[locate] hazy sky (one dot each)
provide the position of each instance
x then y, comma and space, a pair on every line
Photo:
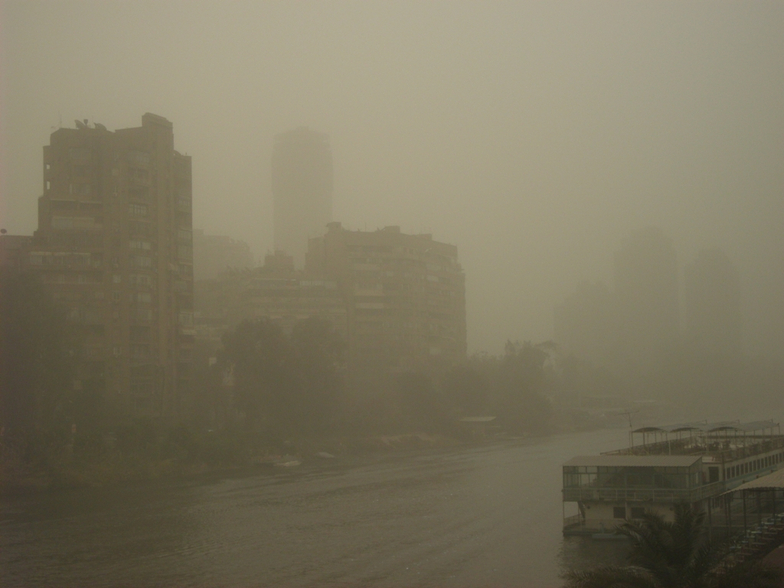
533, 135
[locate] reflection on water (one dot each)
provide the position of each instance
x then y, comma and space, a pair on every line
486, 515
581, 553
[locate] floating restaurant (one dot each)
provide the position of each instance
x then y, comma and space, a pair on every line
697, 463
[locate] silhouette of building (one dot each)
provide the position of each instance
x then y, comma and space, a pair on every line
13, 250
114, 245
275, 291
405, 297
215, 254
302, 180
646, 292
586, 325
712, 298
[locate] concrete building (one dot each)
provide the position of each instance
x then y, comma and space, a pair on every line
712, 298
215, 254
13, 250
275, 291
585, 324
302, 180
405, 297
114, 245
646, 293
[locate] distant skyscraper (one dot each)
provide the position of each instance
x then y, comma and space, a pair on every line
712, 296
646, 289
585, 324
301, 190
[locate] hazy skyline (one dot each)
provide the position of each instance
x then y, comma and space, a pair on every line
534, 136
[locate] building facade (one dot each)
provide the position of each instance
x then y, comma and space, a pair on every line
712, 297
646, 294
585, 324
214, 254
114, 245
405, 297
302, 180
275, 291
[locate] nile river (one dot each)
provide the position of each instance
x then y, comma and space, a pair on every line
483, 516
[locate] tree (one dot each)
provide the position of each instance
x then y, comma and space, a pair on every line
318, 355
260, 360
673, 554
285, 383
520, 384
36, 355
466, 388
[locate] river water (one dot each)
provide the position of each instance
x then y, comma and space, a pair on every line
483, 516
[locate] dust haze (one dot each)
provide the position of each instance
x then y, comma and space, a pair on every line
534, 136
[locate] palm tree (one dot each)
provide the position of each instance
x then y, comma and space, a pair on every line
676, 554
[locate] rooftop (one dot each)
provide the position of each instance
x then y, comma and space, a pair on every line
662, 461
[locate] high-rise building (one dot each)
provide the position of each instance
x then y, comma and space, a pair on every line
405, 297
646, 290
585, 324
712, 297
301, 190
114, 245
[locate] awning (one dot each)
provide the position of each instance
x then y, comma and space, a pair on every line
770, 482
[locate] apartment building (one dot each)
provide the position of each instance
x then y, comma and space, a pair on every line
275, 291
114, 245
404, 294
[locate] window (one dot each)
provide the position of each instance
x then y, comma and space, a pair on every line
137, 209
141, 261
140, 280
115, 296
138, 158
143, 297
141, 245
116, 279
117, 351
637, 512
619, 512
142, 315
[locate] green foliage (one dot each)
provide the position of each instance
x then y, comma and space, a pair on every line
36, 355
281, 383
419, 402
468, 389
673, 554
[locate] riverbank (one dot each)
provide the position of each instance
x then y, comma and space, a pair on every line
112, 466
140, 452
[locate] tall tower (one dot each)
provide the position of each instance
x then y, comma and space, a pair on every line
114, 245
646, 288
712, 296
301, 189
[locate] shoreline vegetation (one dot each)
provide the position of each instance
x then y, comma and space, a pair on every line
179, 454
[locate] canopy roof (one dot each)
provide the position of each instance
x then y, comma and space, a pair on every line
705, 427
769, 482
661, 461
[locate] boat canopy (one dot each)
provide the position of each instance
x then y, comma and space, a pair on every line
774, 481
717, 427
